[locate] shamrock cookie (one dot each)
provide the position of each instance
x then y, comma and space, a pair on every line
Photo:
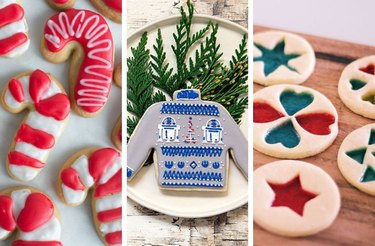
85, 36
289, 118
294, 198
98, 169
61, 5
14, 40
356, 158
192, 139
49, 109
32, 214
357, 86
281, 58
111, 9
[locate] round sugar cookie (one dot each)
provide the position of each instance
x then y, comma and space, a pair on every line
357, 86
292, 121
356, 158
281, 58
294, 198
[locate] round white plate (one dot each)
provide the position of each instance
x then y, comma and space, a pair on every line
144, 189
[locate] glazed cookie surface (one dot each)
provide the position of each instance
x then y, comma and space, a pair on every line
14, 40
357, 86
289, 118
32, 214
281, 58
294, 198
61, 5
49, 109
111, 9
98, 169
356, 158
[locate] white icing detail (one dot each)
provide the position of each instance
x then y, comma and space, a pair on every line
47, 124
19, 198
3, 233
81, 165
96, 85
112, 170
108, 202
32, 151
24, 173
52, 90
73, 196
50, 231
11, 29
110, 227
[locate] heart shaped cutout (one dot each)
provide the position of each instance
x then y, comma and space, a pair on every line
284, 134
316, 123
7, 221
293, 102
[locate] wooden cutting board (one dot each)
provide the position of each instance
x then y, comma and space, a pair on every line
355, 224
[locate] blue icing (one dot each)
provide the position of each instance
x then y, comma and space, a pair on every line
187, 151
294, 102
193, 165
192, 184
181, 164
168, 164
187, 94
284, 134
189, 109
129, 172
205, 164
192, 175
216, 165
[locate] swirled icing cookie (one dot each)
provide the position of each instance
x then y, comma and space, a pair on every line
32, 214
98, 169
61, 4
85, 36
356, 158
281, 58
111, 9
357, 86
289, 118
49, 109
14, 39
294, 198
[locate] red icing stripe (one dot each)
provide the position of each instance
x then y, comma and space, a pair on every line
114, 4
57, 106
110, 215
36, 243
16, 89
263, 112
38, 138
316, 123
70, 177
114, 237
7, 221
61, 1
19, 159
11, 13
39, 84
100, 161
8, 44
112, 186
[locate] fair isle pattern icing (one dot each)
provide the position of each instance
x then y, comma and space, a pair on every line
100, 170
13, 29
38, 133
90, 30
31, 213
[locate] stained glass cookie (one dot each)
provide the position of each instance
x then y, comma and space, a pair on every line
292, 121
356, 158
281, 58
357, 86
294, 198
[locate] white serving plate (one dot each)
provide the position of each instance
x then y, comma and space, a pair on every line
143, 189
77, 224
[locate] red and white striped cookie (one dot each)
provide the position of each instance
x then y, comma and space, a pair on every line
111, 9
61, 4
49, 108
14, 40
32, 214
98, 169
86, 37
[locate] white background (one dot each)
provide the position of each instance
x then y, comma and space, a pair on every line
348, 20
77, 224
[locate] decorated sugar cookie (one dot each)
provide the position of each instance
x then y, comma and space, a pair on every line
356, 158
192, 139
14, 40
111, 9
98, 169
85, 37
32, 215
289, 118
61, 4
357, 86
294, 198
281, 58
49, 109
117, 130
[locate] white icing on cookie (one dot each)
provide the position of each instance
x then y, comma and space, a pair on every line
114, 226
73, 196
50, 231
19, 198
24, 173
112, 170
108, 202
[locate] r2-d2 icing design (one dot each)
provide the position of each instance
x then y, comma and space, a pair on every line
213, 132
168, 130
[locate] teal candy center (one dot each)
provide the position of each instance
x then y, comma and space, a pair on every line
357, 84
284, 134
294, 102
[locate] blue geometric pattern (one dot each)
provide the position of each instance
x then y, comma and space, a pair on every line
191, 184
193, 165
186, 151
197, 175
168, 164
189, 109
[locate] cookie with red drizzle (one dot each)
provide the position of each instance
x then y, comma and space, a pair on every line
61, 5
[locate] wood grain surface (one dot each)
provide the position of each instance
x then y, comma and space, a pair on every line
355, 224
147, 227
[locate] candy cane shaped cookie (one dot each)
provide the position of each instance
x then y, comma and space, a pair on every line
32, 214
14, 40
48, 107
111, 9
117, 130
86, 37
61, 5
98, 169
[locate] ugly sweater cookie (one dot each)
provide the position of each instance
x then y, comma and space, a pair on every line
192, 139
